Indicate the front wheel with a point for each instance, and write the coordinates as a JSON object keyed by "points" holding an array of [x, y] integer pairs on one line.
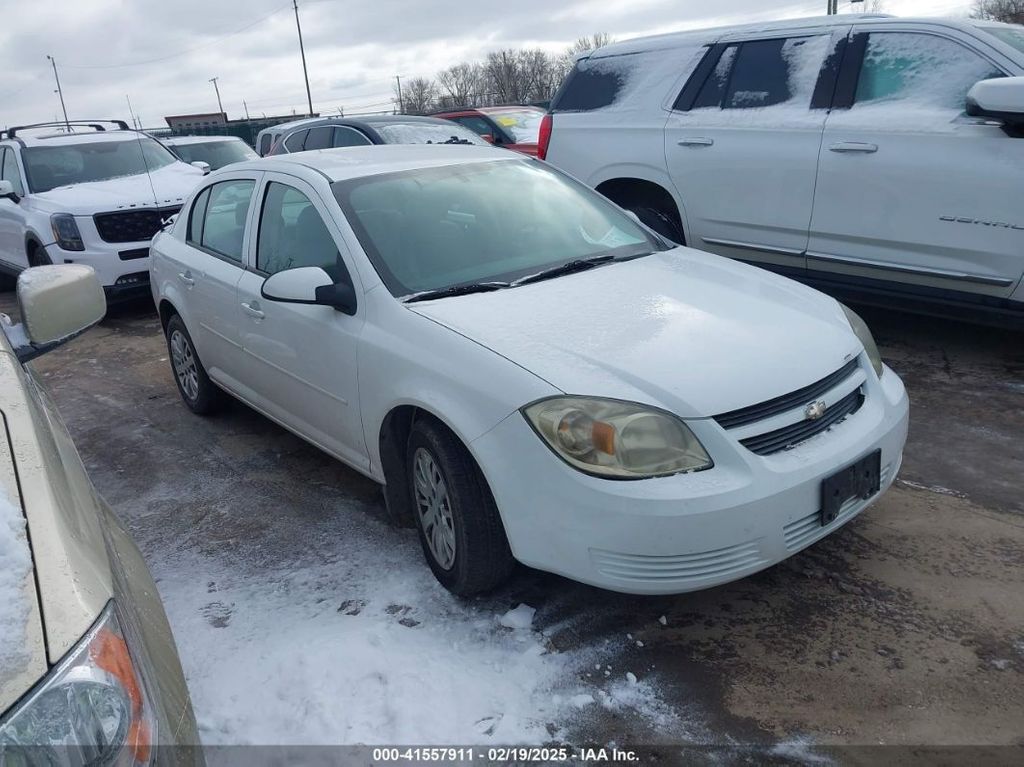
{"points": [[198, 392], [459, 526]]}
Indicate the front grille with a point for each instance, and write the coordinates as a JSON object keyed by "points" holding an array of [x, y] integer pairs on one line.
{"points": [[768, 408], [788, 436], [132, 225]]}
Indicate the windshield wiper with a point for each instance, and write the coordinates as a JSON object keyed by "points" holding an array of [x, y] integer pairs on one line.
{"points": [[570, 267], [457, 290]]}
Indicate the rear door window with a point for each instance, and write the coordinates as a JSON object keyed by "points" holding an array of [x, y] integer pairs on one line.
{"points": [[295, 142], [217, 221], [345, 136]]}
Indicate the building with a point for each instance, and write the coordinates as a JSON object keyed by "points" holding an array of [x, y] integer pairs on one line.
{"points": [[218, 124], [186, 123]]}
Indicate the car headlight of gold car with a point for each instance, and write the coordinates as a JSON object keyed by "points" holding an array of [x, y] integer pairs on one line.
{"points": [[863, 333], [91, 709], [615, 439]]}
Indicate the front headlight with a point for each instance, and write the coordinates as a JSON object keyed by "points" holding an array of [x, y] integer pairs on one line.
{"points": [[91, 709], [863, 333], [65, 231], [616, 439]]}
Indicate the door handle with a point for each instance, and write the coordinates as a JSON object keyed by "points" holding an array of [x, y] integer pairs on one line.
{"points": [[696, 141], [186, 277], [253, 310], [853, 146]]}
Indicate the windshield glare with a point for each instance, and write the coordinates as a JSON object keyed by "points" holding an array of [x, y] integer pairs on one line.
{"points": [[49, 167], [427, 133], [434, 228], [1013, 35], [524, 126], [216, 154]]}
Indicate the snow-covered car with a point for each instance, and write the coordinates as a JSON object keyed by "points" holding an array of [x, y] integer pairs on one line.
{"points": [[89, 672], [531, 373], [869, 156], [215, 151], [92, 195], [336, 132]]}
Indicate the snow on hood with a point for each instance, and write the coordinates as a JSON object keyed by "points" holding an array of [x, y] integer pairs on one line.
{"points": [[173, 183], [691, 332], [15, 568]]}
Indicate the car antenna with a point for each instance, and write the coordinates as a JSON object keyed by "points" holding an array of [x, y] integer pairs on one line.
{"points": [[145, 163]]}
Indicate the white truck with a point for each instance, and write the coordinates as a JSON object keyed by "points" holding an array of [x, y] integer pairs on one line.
{"points": [[877, 158]]}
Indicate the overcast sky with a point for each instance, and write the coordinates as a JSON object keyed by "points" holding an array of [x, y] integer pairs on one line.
{"points": [[162, 54]]}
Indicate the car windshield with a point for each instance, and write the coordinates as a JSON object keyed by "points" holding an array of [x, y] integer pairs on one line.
{"points": [[1011, 34], [216, 154], [434, 228], [427, 133], [523, 125], [49, 167]]}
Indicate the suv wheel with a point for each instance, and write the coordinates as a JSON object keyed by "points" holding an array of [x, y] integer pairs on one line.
{"points": [[663, 223], [458, 522], [199, 393]]}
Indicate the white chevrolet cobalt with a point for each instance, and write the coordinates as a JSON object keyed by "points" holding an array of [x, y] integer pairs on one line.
{"points": [[532, 374]]}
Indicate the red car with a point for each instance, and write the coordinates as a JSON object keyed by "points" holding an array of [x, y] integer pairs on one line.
{"points": [[513, 127]]}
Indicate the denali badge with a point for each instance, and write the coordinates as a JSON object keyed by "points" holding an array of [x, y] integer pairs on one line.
{"points": [[815, 410], [980, 222]]}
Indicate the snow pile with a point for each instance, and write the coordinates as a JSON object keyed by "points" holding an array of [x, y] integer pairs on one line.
{"points": [[519, 618], [15, 567]]}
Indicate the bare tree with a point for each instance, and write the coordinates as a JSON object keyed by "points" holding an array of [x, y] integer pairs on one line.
{"points": [[1010, 11], [459, 84], [418, 96], [589, 43], [504, 76]]}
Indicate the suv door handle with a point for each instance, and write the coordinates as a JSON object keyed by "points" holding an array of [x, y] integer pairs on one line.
{"points": [[253, 310], [186, 277], [853, 146], [696, 141]]}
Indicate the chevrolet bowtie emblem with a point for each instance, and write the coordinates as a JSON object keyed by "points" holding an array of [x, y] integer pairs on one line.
{"points": [[815, 410]]}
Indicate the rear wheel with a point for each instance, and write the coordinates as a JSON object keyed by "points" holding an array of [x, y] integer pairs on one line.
{"points": [[459, 526], [198, 392], [663, 223]]}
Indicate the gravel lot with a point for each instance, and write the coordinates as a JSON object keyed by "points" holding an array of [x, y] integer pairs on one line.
{"points": [[906, 627]]}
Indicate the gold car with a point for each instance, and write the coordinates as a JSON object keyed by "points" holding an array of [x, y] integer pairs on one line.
{"points": [[89, 672]]}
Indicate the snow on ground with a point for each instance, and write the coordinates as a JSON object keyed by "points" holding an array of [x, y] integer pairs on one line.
{"points": [[355, 642], [15, 566]]}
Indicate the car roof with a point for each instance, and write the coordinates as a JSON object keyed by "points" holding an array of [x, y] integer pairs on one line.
{"points": [[54, 137], [674, 39], [184, 140], [356, 162]]}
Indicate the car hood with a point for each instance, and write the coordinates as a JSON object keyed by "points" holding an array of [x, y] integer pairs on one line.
{"points": [[166, 186], [691, 332]]}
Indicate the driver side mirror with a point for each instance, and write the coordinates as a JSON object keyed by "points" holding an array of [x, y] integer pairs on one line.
{"points": [[999, 99], [310, 285], [57, 303], [203, 166], [7, 192]]}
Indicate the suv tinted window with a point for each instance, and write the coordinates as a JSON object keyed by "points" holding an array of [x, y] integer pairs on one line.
{"points": [[593, 84], [931, 71], [292, 234], [319, 138], [218, 218], [764, 73], [295, 141], [345, 136], [9, 170]]}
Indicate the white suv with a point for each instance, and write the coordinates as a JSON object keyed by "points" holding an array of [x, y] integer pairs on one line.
{"points": [[870, 156], [94, 198]]}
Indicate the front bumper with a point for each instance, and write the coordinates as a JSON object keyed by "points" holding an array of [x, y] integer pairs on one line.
{"points": [[689, 531]]}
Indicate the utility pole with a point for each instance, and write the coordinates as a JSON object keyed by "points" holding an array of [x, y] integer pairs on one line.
{"points": [[60, 93], [302, 50], [401, 106], [219, 105]]}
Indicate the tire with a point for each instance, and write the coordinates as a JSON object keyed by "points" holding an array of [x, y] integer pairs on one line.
{"points": [[37, 255], [198, 392], [661, 222], [464, 541]]}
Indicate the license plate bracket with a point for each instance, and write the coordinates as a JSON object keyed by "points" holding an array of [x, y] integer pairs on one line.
{"points": [[858, 480]]}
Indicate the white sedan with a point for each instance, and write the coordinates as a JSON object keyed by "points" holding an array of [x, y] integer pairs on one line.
{"points": [[532, 374]]}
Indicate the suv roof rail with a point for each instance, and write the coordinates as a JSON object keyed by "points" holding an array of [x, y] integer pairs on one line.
{"points": [[95, 124]]}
